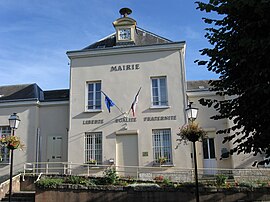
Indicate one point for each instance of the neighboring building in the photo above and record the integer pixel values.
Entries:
(44, 118)
(212, 148)
(76, 126)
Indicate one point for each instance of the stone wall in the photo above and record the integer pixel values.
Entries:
(148, 194)
(4, 187)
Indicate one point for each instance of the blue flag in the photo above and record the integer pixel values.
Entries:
(109, 103)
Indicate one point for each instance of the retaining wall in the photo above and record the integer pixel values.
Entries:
(71, 193)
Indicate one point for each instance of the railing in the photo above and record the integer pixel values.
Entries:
(143, 172)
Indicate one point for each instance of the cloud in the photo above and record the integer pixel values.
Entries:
(191, 33)
(47, 68)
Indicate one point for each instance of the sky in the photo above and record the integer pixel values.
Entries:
(35, 35)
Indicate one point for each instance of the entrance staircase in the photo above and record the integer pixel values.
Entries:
(25, 196)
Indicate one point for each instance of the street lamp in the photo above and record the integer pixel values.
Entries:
(13, 124)
(192, 114)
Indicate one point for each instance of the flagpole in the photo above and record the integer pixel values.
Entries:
(114, 103)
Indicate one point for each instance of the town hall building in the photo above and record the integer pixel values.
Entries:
(126, 102)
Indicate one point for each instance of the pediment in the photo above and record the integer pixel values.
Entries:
(124, 22)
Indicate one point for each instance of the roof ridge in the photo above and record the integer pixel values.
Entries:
(144, 37)
(106, 37)
(9, 85)
(56, 90)
(153, 34)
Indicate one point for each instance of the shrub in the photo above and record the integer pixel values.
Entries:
(122, 183)
(73, 179)
(110, 176)
(88, 182)
(50, 182)
(79, 180)
(221, 179)
(247, 184)
(168, 183)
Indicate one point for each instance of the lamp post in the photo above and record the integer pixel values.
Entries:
(192, 114)
(13, 124)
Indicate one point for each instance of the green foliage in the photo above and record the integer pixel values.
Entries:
(162, 160)
(221, 180)
(79, 180)
(238, 33)
(110, 176)
(167, 182)
(87, 182)
(122, 183)
(73, 179)
(49, 182)
(247, 184)
(263, 184)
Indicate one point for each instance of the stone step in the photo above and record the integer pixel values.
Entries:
(25, 196)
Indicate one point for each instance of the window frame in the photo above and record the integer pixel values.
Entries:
(91, 150)
(95, 108)
(209, 148)
(4, 151)
(161, 146)
(160, 101)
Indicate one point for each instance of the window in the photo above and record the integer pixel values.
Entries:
(4, 152)
(162, 145)
(93, 147)
(209, 148)
(159, 91)
(94, 96)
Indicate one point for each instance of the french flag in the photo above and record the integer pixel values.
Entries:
(135, 102)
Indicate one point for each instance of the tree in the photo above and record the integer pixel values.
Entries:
(240, 55)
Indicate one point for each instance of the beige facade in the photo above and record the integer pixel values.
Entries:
(121, 86)
(212, 126)
(38, 122)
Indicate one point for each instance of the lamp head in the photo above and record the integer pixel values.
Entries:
(14, 121)
(192, 112)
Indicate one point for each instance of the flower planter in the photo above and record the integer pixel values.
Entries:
(11, 142)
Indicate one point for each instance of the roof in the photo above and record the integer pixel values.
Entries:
(56, 95)
(142, 37)
(19, 92)
(25, 92)
(199, 85)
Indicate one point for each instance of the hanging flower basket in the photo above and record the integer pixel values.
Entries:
(11, 142)
(191, 132)
(13, 145)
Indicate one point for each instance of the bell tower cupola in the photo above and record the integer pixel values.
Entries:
(125, 28)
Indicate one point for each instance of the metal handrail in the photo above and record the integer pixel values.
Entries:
(141, 172)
